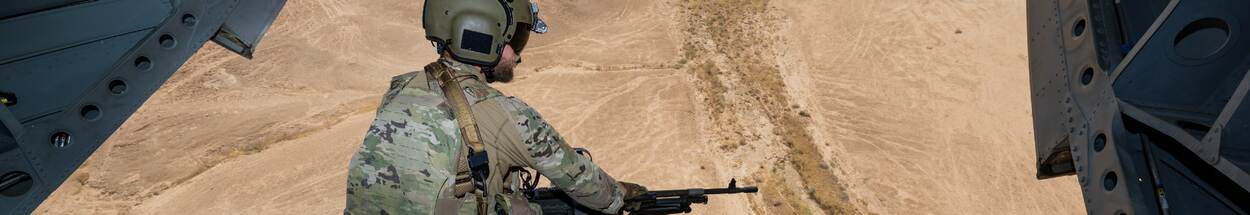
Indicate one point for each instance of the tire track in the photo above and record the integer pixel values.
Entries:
(730, 50)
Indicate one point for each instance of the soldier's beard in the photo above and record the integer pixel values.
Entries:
(503, 70)
(500, 75)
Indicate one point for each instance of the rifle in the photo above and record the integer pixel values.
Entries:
(555, 201)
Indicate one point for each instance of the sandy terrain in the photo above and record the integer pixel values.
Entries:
(865, 107)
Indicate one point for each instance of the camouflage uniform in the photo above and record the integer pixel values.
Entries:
(407, 164)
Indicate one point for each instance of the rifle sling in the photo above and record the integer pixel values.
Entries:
(471, 167)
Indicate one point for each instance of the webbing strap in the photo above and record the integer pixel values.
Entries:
(459, 105)
(471, 168)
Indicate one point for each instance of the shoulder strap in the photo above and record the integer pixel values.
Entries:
(471, 168)
(450, 84)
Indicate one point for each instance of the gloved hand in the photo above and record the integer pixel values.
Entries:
(632, 190)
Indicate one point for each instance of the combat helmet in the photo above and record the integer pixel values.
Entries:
(475, 31)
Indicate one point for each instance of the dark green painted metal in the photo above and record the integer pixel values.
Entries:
(71, 72)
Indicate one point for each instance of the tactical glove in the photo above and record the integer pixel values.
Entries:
(632, 190)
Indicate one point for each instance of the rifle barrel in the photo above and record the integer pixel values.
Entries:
(732, 190)
(702, 191)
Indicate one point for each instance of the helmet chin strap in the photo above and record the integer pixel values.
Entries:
(438, 47)
(489, 72)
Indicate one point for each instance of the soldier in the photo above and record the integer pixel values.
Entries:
(446, 142)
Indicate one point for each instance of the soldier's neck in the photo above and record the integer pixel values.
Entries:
(463, 68)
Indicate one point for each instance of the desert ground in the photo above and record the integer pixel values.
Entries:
(842, 106)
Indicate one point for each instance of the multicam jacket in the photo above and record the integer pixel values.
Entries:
(407, 163)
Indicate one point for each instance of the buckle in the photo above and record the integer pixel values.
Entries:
(479, 169)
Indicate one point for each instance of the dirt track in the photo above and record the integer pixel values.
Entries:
(877, 107)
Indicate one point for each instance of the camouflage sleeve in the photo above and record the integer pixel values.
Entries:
(556, 160)
(406, 158)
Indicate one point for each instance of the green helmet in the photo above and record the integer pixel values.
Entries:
(475, 31)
